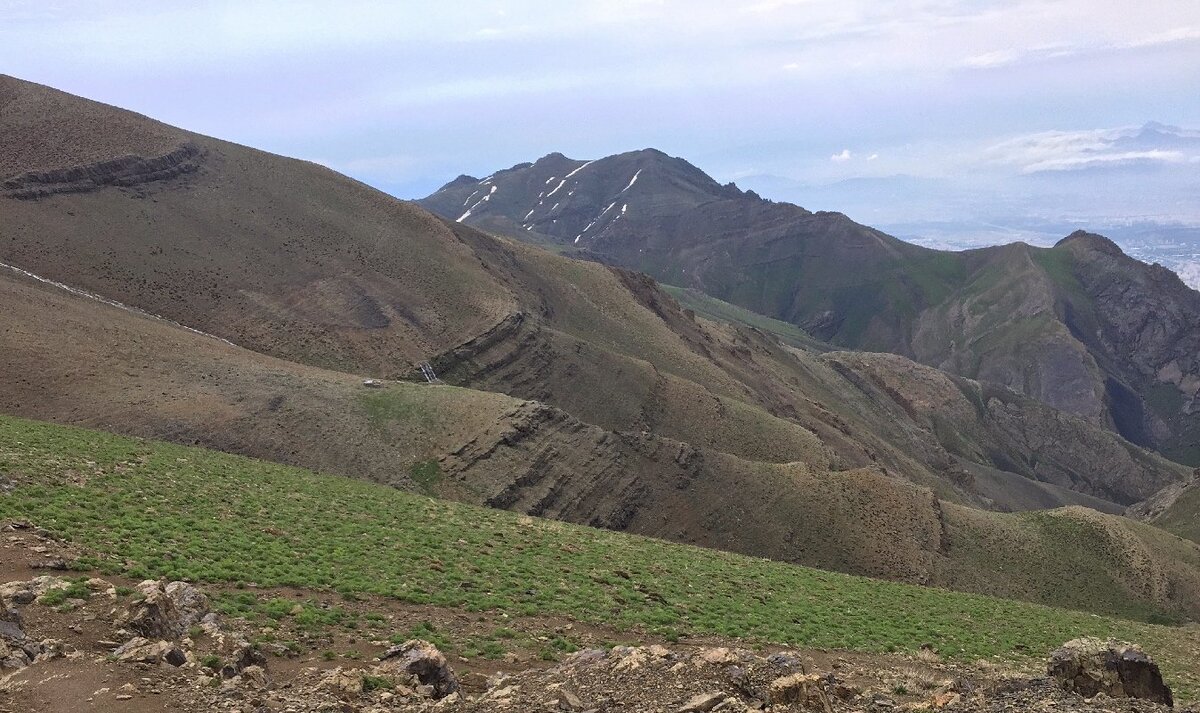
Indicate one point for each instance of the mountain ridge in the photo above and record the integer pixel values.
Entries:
(857, 287)
(573, 389)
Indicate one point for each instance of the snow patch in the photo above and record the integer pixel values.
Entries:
(561, 183)
(632, 181)
(585, 165)
(479, 202)
(529, 214)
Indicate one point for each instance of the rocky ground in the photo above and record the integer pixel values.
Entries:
(72, 642)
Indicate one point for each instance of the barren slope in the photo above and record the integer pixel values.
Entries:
(629, 412)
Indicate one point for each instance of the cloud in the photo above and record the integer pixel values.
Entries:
(1126, 158)
(1040, 53)
(1078, 150)
(872, 157)
(841, 157)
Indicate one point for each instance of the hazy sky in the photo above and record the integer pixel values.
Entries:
(406, 95)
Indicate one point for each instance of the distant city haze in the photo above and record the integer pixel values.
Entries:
(947, 122)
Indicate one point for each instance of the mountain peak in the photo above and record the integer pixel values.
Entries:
(1091, 241)
(577, 202)
(1161, 128)
(462, 180)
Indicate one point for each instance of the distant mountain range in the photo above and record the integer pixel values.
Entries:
(1136, 185)
(1080, 326)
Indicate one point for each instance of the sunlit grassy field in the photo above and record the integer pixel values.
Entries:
(148, 509)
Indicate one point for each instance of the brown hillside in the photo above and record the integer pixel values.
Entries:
(618, 407)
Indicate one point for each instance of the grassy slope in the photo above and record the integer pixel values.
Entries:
(1182, 517)
(152, 509)
(718, 310)
(148, 378)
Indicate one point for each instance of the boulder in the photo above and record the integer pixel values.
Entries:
(166, 611)
(16, 649)
(1091, 666)
(423, 660)
(344, 683)
(142, 650)
(10, 624)
(702, 703)
(719, 656)
(31, 590)
(238, 655)
(801, 688)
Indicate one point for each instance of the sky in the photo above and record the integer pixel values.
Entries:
(407, 95)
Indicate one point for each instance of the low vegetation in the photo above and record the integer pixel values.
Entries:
(718, 310)
(149, 509)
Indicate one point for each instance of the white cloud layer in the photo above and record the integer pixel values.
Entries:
(1075, 150)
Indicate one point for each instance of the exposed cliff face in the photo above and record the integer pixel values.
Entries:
(1080, 327)
(1147, 335)
(979, 423)
(124, 171)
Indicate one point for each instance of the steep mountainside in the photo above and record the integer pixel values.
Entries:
(593, 396)
(1175, 508)
(1080, 327)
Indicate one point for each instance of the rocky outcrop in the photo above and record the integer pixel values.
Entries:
(808, 690)
(990, 425)
(143, 650)
(1119, 670)
(1163, 500)
(16, 651)
(120, 171)
(166, 610)
(27, 591)
(423, 660)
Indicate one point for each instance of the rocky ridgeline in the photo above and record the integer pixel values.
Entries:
(120, 171)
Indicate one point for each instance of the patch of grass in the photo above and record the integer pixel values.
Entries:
(427, 631)
(77, 589)
(720, 311)
(53, 598)
(377, 683)
(230, 519)
(394, 404)
(426, 474)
